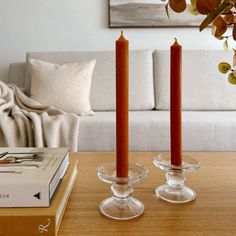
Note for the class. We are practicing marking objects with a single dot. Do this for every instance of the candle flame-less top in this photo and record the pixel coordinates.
(122, 37)
(176, 42)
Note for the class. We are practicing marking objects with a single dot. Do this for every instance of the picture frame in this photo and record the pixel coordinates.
(149, 14)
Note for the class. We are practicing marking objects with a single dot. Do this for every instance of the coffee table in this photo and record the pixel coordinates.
(212, 213)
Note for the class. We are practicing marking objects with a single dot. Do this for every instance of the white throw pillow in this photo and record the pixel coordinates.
(66, 87)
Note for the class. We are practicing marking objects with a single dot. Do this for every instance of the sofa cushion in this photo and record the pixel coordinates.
(150, 131)
(66, 87)
(203, 86)
(141, 87)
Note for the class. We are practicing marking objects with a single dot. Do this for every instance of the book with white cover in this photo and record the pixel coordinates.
(29, 177)
(39, 221)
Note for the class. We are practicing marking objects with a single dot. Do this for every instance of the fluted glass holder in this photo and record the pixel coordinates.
(121, 206)
(175, 190)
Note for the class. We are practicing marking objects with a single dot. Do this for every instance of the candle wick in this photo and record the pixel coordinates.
(176, 41)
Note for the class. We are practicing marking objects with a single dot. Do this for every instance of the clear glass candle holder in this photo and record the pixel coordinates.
(175, 190)
(121, 206)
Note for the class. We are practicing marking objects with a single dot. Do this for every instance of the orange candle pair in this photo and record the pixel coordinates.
(175, 104)
(122, 106)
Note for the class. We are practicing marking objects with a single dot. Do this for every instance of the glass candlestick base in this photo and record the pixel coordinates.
(121, 206)
(175, 190)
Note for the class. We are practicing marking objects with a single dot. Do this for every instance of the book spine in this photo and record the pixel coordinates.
(24, 196)
(27, 225)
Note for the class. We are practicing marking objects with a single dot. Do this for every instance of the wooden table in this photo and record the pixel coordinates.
(212, 213)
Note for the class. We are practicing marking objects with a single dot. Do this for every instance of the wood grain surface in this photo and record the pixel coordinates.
(212, 213)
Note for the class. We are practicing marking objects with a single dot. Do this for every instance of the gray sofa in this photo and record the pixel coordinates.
(209, 101)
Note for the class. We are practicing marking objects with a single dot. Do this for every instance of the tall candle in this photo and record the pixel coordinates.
(175, 104)
(122, 103)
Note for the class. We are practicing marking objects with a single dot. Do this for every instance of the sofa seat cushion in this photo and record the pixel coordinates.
(102, 96)
(149, 131)
(203, 86)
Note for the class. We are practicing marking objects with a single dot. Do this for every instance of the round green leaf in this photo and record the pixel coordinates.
(231, 78)
(224, 67)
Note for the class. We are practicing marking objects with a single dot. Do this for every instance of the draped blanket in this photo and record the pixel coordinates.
(26, 123)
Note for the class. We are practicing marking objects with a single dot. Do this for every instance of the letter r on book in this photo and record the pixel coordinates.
(43, 228)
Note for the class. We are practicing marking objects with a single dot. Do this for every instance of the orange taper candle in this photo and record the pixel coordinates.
(175, 104)
(122, 106)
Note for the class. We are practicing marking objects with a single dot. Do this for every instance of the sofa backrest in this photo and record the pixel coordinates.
(16, 74)
(203, 86)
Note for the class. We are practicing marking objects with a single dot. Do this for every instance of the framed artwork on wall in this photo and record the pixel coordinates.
(149, 13)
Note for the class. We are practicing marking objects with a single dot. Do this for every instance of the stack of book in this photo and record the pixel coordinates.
(35, 185)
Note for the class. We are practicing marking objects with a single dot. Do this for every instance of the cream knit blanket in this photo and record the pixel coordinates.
(26, 123)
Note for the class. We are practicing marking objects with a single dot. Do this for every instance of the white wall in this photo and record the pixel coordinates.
(52, 25)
